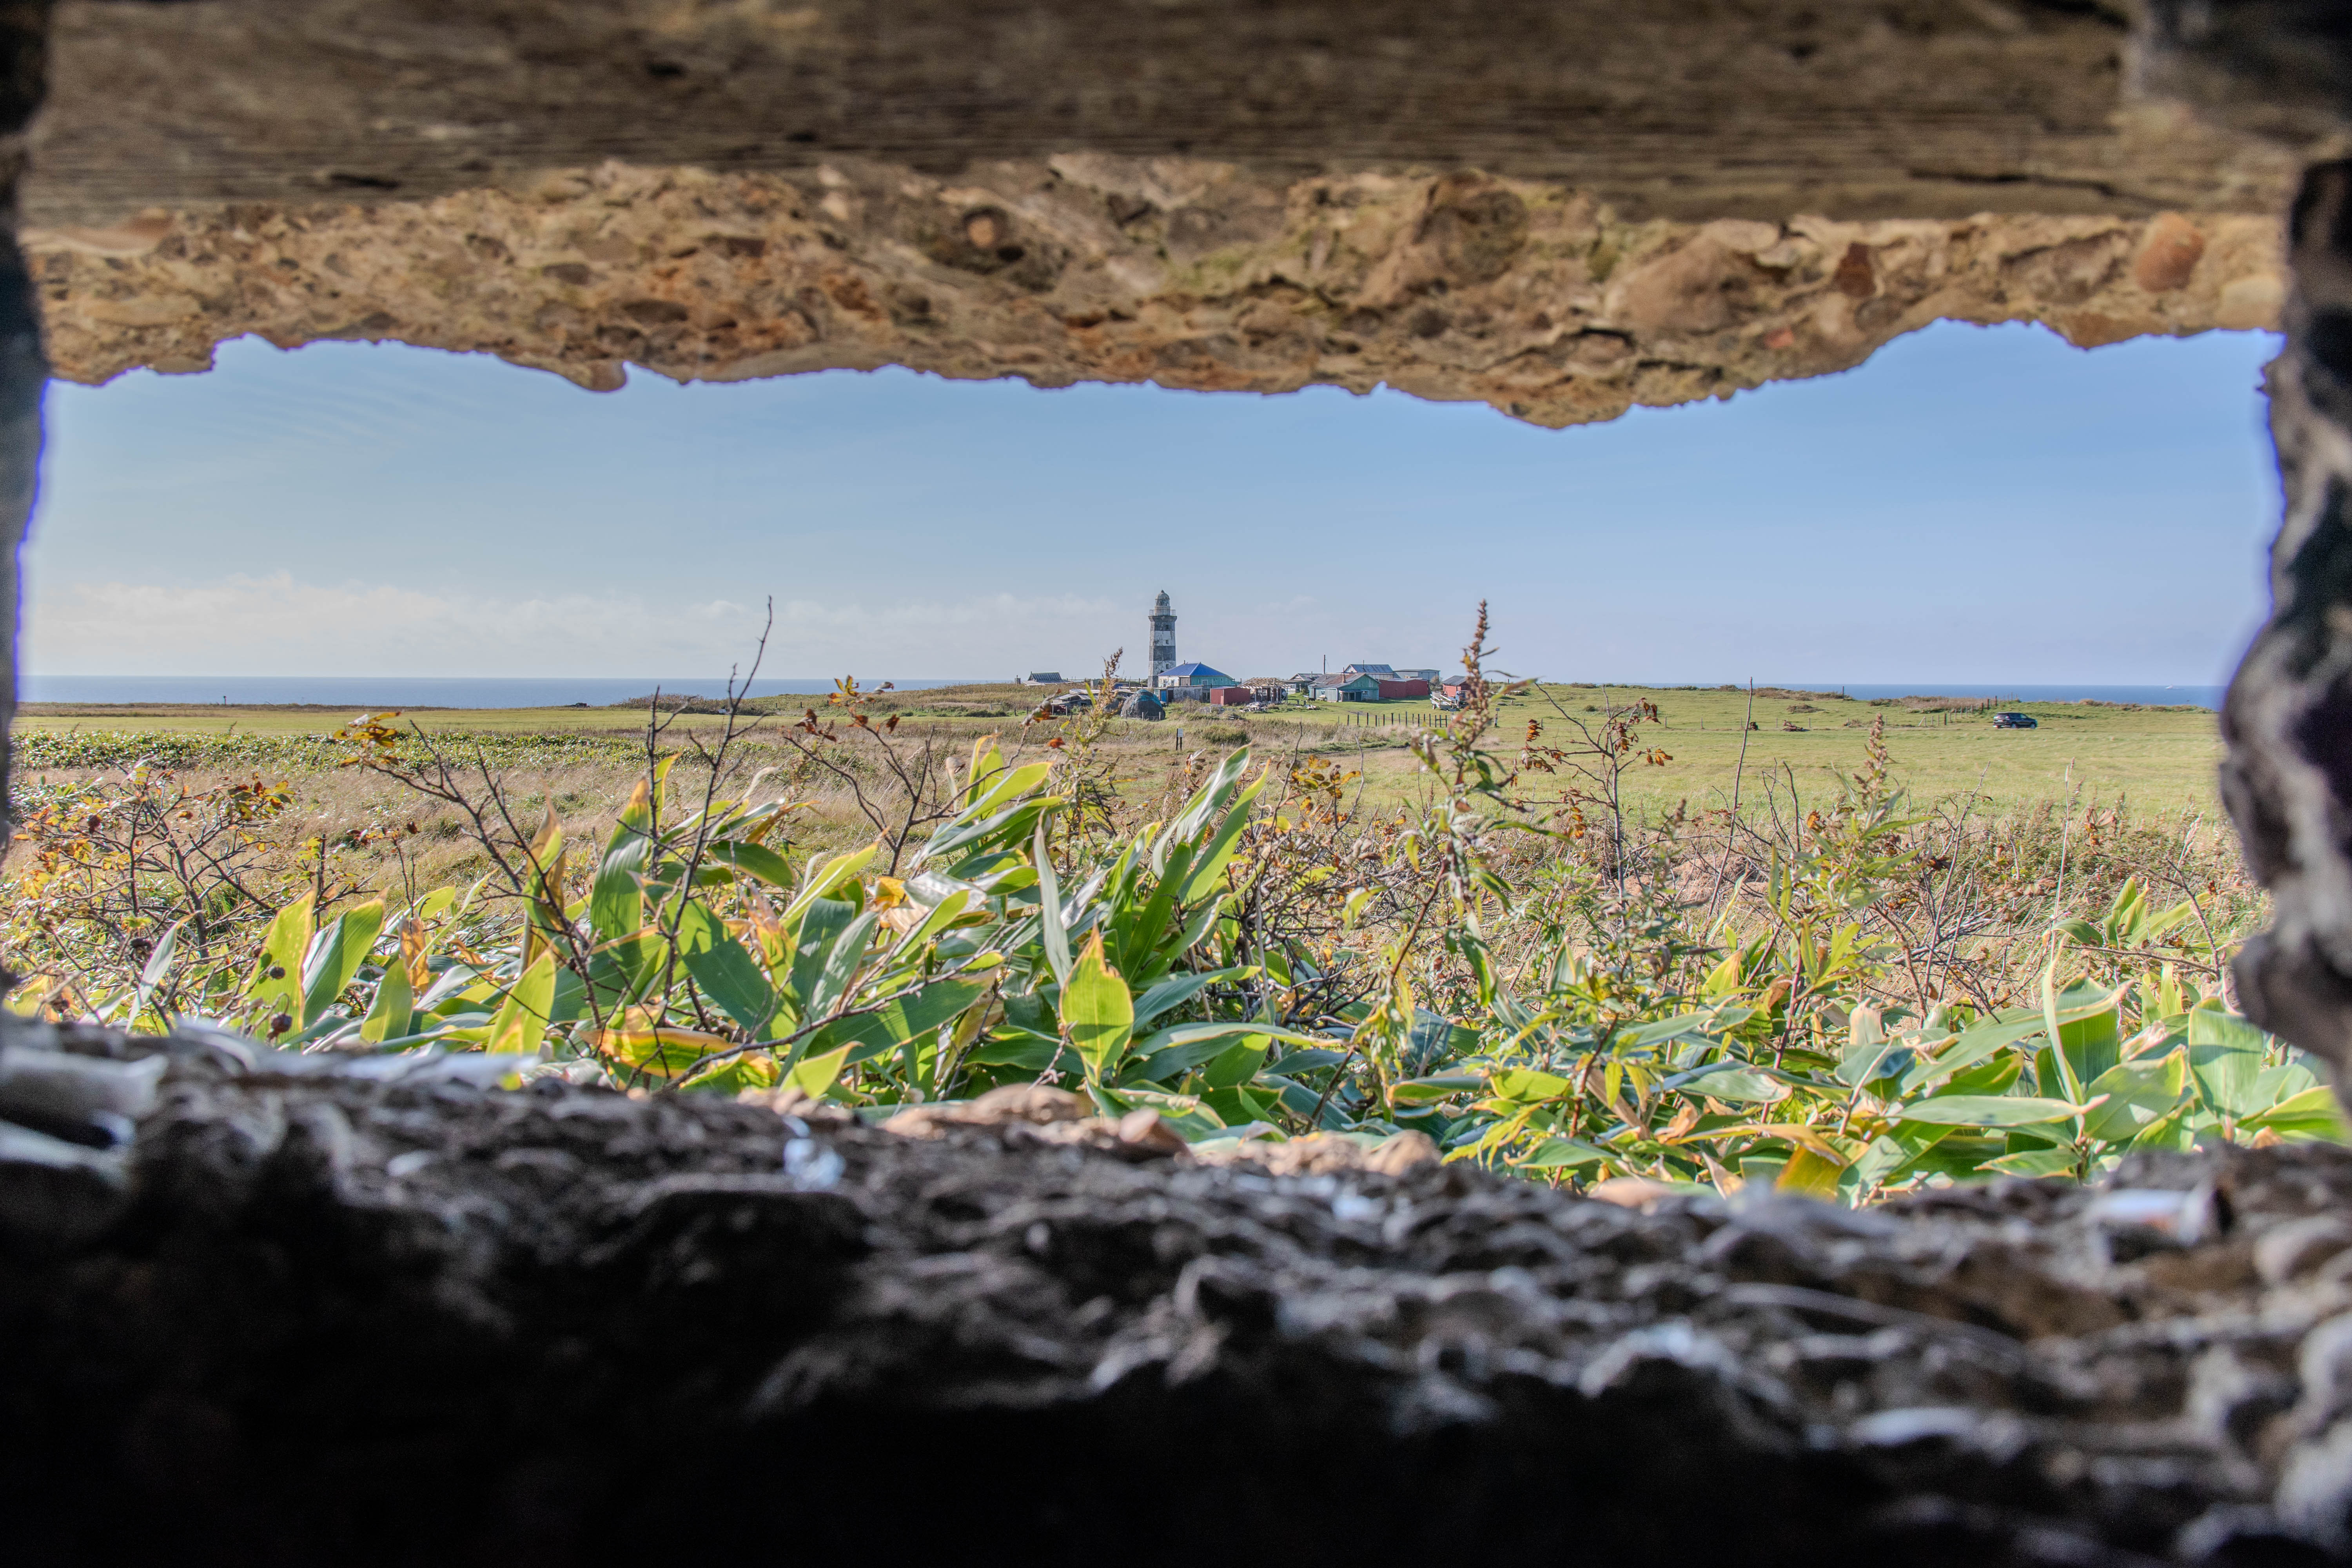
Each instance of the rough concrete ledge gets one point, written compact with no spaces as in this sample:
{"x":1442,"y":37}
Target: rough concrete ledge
{"x":1684,"y":109}
{"x":1564,"y":208}
{"x":1536,"y":298}
{"x":323,"y":1316}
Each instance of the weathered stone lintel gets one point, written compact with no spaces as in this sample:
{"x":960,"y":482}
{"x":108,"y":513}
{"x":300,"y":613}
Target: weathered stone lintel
{"x":1537,"y":299}
{"x":1691,"y":109}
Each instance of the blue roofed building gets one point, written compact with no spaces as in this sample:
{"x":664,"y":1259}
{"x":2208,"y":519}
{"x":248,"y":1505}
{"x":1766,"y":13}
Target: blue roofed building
{"x":1191,"y":681}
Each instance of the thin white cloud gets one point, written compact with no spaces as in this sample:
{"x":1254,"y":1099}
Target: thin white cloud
{"x":242,"y":625}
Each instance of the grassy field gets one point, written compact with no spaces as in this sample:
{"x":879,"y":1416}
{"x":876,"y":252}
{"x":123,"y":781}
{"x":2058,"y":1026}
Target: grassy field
{"x":2156,"y":759}
{"x":207,"y":718}
{"x":2159,"y":759}
{"x":2080,"y":864}
{"x":2057,"y":815}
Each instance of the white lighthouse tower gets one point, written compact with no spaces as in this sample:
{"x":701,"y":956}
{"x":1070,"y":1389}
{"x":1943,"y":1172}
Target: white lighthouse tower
{"x":1163,"y":636}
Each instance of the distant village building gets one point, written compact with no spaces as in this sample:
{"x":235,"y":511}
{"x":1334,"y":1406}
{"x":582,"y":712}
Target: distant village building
{"x":1366,"y":683}
{"x":1194,"y":682}
{"x":1041,"y":677}
{"x":1163,"y":638}
{"x":1345,"y":688}
{"x":1190,"y":682}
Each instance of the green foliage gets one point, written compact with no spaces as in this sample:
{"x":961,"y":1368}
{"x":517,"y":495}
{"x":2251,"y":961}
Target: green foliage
{"x":1257,"y":965}
{"x":35,"y":750}
{"x":1697,"y":1096}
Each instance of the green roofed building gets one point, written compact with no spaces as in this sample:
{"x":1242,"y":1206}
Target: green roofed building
{"x":1344,"y":687}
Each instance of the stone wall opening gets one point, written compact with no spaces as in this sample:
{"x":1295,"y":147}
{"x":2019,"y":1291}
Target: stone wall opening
{"x":304,"y":1298}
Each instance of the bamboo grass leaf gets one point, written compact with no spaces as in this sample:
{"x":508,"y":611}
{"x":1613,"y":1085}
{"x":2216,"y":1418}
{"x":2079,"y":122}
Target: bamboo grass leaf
{"x":521,"y":1020}
{"x":276,"y":987}
{"x":1049,"y":911}
{"x":335,"y":957}
{"x":724,"y":971}
{"x":1097,"y":1013}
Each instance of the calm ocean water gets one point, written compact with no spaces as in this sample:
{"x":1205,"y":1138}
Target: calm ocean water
{"x":362,"y":691}
{"x":356,"y":692}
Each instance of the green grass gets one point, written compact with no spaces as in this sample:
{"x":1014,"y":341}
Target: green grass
{"x":2158,"y":759}
{"x":191,"y":719}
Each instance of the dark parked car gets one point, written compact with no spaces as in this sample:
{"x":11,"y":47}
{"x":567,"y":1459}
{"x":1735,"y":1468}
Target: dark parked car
{"x":2015,"y":722}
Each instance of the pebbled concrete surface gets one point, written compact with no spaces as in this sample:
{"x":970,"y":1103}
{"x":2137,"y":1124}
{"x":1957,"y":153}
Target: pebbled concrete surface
{"x":1540,"y":300}
{"x":373,"y":1320}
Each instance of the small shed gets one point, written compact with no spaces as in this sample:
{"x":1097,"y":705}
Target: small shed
{"x":1231,"y":697}
{"x":1397,"y":690}
{"x":1347,"y":689}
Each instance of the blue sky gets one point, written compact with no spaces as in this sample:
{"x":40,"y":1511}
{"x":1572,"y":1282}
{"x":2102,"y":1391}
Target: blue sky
{"x":1972,"y":505}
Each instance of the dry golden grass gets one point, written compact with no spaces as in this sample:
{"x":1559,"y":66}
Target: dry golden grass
{"x":2155,"y":759}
